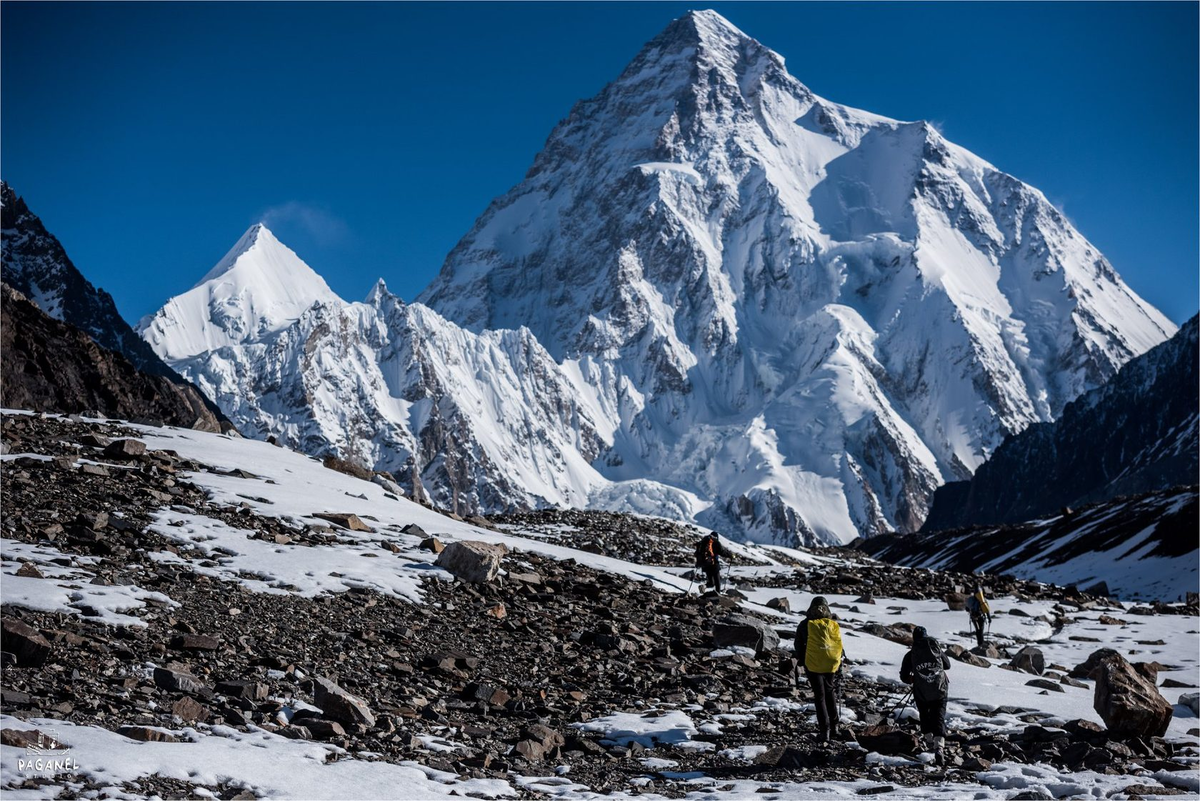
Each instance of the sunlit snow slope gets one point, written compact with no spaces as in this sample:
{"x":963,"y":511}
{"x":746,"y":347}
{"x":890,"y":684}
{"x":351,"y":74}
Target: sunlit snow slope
{"x":808,"y":314}
{"x":715,"y":296}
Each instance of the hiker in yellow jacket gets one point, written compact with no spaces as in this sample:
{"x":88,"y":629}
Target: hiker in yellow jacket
{"x":978,"y":609}
{"x":819,"y":649}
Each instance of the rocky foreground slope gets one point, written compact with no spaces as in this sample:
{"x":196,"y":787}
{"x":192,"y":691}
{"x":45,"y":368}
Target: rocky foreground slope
{"x":207,"y":614}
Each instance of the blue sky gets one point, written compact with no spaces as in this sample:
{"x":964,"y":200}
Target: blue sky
{"x":370,"y":136}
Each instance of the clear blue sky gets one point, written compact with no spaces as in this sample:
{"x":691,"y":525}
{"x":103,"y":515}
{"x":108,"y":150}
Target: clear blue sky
{"x":370,"y":136}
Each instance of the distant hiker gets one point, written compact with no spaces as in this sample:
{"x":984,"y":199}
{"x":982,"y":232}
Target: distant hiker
{"x":977,"y":607}
{"x":819,"y":648}
{"x":708,"y":559}
{"x":924,"y":667}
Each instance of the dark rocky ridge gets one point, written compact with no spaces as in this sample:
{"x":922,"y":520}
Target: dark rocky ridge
{"x":1135,"y":434}
{"x":51,"y":366}
{"x":35,"y":263}
{"x":1094,"y":529}
{"x":572,"y":644}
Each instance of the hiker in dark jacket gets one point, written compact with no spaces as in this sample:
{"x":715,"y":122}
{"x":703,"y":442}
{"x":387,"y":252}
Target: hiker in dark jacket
{"x":819,"y":648}
{"x":924,"y":667}
{"x":708,"y":559}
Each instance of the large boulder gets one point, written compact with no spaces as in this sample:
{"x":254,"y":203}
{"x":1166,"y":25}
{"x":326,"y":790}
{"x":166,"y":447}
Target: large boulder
{"x":885,"y":739}
{"x":1030,"y":660}
{"x":1191,"y":701}
{"x":25,"y":642}
{"x":1127,"y":702}
{"x":473,"y":561}
{"x":340,"y":705}
{"x":747,"y":632}
{"x":956,"y":601}
{"x":1085,"y":669}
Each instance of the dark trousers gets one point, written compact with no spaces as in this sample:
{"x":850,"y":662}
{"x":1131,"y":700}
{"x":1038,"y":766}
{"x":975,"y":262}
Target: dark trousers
{"x":933,"y":716}
{"x":713,"y":573}
{"x":824,"y":687}
{"x":977,"y":624}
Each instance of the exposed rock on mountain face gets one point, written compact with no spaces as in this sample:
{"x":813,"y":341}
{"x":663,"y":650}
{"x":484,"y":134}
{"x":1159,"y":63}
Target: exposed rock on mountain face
{"x":51,"y":366}
{"x":1135,"y":434}
{"x":807,"y":314}
{"x":36,"y":265}
{"x":715,"y":297}
{"x":1134,"y":547}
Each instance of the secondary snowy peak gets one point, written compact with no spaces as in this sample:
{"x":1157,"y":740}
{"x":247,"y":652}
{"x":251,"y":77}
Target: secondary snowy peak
{"x":475,"y":421}
{"x":259,"y":287}
{"x":705,"y":219}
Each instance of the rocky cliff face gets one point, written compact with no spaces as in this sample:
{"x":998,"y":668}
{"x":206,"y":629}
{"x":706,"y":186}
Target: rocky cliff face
{"x":51,"y":366}
{"x":37,"y":266}
{"x":1140,"y":546}
{"x":1135,"y":434}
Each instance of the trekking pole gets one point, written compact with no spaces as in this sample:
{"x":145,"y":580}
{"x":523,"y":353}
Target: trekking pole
{"x":691,"y":581}
{"x":902,"y":702}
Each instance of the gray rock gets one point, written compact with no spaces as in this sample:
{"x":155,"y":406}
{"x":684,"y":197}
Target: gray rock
{"x":179,"y":680}
{"x":747,"y":632}
{"x":476,"y":562}
{"x":1029,"y":660}
{"x":340,"y":705}
{"x":345,"y":520}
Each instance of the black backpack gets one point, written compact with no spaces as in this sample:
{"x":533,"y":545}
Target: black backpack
{"x":929,"y":677}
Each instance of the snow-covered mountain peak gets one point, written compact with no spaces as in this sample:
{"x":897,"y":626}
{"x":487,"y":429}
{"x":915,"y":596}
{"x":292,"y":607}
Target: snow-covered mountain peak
{"x":379,"y":294}
{"x":260,"y":286}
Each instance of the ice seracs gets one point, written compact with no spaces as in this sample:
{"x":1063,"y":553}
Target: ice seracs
{"x":715,"y":295}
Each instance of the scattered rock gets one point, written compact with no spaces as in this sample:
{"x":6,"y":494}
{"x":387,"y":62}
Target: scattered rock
{"x":147,"y":734}
{"x":885,"y":739}
{"x":178,"y":680}
{"x":30,"y":570}
{"x":190,"y":710}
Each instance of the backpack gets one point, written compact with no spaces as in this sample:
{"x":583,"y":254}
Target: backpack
{"x":929,"y":676}
{"x":977,"y":607}
{"x":823,"y":653}
{"x":705,"y":553}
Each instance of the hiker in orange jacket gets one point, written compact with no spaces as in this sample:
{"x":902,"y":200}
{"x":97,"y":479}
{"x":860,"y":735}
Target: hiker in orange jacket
{"x":819,"y":648}
{"x":708,"y":559}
